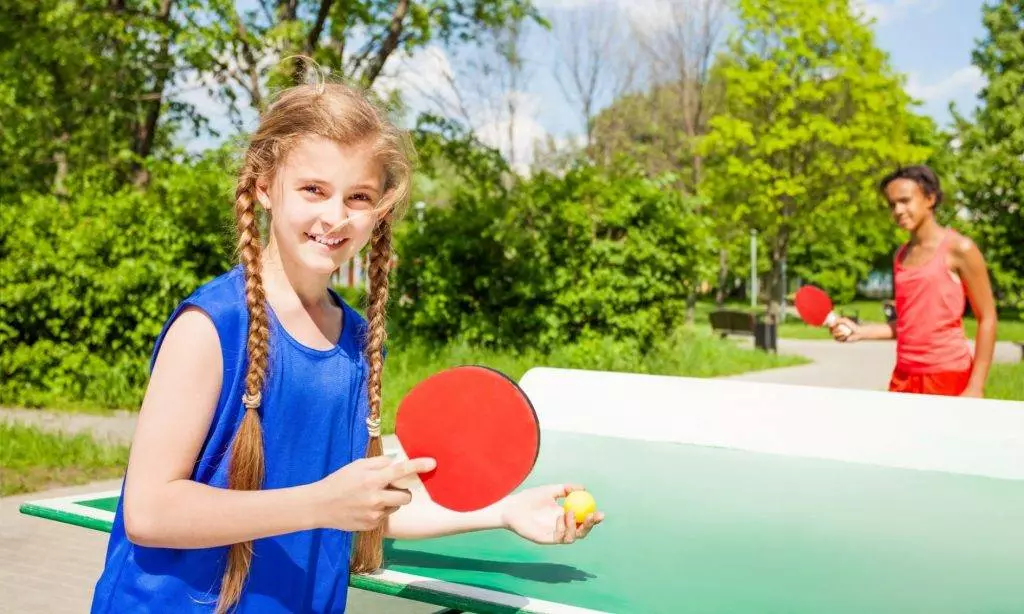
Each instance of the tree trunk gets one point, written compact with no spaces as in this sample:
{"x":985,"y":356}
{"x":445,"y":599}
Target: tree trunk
{"x":588,"y":110}
{"x":312,"y":40}
{"x":389,"y":45}
{"x":698,"y":167}
{"x":723,"y":276}
{"x":780,"y":248}
{"x":145,"y":131}
{"x":60,"y":159}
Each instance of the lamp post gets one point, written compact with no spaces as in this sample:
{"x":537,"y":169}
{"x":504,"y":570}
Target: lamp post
{"x":753,"y":268}
{"x":420,"y":206}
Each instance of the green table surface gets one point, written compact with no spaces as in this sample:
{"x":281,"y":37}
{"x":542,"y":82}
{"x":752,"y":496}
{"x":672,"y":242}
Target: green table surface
{"x":702,"y":529}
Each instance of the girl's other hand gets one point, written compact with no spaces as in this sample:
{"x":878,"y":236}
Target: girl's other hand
{"x":535,"y":514}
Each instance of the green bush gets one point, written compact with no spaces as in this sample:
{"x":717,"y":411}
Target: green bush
{"x":598,"y":252}
{"x":89,"y":280}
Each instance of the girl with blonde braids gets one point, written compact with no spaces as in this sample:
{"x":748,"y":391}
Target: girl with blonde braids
{"x":256,"y":481}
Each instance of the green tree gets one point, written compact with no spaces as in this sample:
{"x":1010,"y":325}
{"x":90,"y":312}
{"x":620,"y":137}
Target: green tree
{"x":814,"y":114}
{"x":662,"y":135}
{"x":354,"y":39}
{"x":100,"y":82}
{"x":82,"y":83}
{"x":648,"y":128}
{"x":990,"y":173}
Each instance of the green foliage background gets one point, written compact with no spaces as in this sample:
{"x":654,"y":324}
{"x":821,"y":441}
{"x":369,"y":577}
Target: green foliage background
{"x":106,"y":223}
{"x":551,"y":260}
{"x":89,"y":280}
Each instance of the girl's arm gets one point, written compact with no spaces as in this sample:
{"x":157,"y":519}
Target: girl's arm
{"x":861,"y":332}
{"x":423,"y":519}
{"x":533,"y":514}
{"x":163,"y":507}
{"x":969,"y":264}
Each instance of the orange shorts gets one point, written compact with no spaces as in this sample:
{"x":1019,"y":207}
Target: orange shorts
{"x":950,"y":383}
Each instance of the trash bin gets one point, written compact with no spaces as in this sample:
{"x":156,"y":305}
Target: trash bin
{"x":766,"y":335}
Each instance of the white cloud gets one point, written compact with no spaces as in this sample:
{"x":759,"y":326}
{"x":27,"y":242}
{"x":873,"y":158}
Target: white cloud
{"x":652,"y":15}
{"x":559,"y":5}
{"x":526,"y":130}
{"x":191,"y":88}
{"x":430,"y":80}
{"x":646,"y":15}
{"x":202,"y":90}
{"x":889,"y":11}
{"x":423,"y":78}
{"x":965,"y":80}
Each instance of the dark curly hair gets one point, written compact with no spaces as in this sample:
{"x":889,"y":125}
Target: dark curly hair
{"x":920,"y":174}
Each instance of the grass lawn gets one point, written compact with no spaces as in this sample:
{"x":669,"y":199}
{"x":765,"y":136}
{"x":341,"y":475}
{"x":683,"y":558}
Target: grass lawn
{"x":32,"y":459}
{"x":1006,"y":381}
{"x":1011,"y":325}
{"x":687,"y":352}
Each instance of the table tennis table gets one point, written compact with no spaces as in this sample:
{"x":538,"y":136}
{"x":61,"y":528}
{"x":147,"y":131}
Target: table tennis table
{"x":725,"y":496}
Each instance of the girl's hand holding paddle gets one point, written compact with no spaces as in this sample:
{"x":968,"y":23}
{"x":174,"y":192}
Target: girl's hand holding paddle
{"x":362,"y":494}
{"x":535,"y":514}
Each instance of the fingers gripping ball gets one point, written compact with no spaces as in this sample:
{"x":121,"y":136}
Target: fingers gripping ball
{"x":581,"y":504}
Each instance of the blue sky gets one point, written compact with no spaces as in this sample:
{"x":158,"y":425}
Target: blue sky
{"x":930,"y":41}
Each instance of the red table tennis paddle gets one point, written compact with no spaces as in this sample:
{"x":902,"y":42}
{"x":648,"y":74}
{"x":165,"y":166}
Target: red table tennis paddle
{"x":815,"y":308}
{"x":481,"y":429}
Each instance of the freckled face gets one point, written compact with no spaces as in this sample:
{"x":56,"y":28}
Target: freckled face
{"x":321,"y":202}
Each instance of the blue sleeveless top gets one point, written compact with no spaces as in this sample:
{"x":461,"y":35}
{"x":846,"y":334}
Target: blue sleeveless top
{"x":313,"y":416}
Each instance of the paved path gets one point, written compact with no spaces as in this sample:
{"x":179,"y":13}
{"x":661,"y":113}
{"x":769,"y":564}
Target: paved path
{"x":864,"y":365}
{"x":48,"y":567}
{"x":115,"y":427}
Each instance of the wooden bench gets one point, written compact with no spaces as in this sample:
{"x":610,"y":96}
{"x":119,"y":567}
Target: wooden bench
{"x":726,"y":322}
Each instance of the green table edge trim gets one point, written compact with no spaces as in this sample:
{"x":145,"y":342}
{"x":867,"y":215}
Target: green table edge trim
{"x":363,"y":582}
{"x":71,"y":518}
{"x":426,"y":594}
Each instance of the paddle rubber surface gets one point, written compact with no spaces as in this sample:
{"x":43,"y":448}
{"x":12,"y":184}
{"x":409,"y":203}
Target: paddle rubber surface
{"x":480,"y":428}
{"x":813,"y":305}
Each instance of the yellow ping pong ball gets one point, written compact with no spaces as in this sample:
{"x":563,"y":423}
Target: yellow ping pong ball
{"x":581,"y":504}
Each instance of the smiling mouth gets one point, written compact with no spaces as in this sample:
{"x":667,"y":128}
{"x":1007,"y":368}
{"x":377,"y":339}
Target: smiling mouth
{"x":328,"y":242}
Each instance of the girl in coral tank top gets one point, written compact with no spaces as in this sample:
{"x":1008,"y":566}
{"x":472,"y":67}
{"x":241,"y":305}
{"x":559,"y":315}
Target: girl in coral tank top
{"x":934,"y":274}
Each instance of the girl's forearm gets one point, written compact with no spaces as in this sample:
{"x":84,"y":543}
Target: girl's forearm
{"x":423,"y":518}
{"x":186,"y":514}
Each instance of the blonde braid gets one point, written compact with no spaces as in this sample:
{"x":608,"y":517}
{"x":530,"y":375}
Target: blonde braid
{"x":247,"y":463}
{"x":369,"y":551}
